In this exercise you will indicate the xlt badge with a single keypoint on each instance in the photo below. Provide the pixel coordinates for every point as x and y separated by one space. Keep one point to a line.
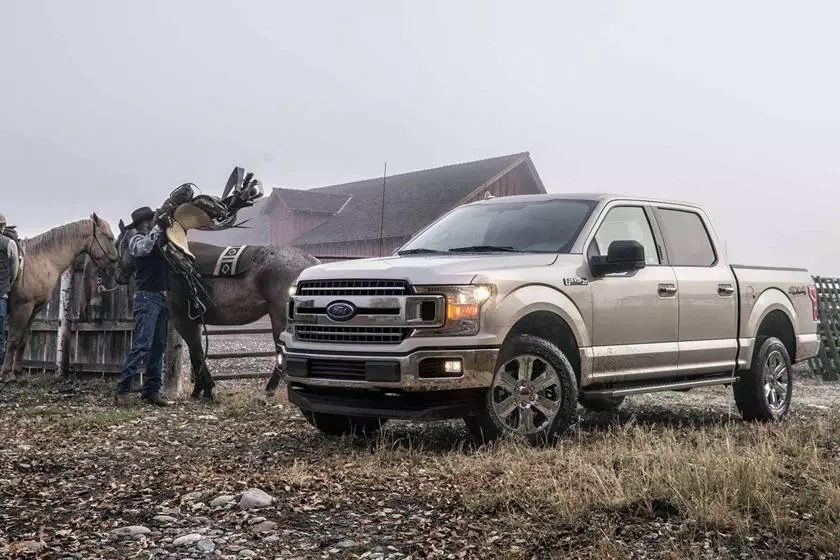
575 281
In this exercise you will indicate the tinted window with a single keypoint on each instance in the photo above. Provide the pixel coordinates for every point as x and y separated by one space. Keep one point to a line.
544 226
626 223
686 238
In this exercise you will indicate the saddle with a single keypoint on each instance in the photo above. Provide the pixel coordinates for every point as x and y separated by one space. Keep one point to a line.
195 262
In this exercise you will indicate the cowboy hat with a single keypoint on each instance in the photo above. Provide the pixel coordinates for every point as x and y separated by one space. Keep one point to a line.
141 215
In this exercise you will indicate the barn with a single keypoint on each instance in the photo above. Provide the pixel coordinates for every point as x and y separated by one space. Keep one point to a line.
345 221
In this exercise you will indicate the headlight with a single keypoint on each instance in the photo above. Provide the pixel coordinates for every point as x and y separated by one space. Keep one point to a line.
292 290
463 308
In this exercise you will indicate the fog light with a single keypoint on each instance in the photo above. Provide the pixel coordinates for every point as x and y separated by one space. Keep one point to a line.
279 360
452 366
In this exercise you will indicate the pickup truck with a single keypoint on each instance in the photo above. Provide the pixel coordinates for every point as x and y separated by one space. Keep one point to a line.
509 312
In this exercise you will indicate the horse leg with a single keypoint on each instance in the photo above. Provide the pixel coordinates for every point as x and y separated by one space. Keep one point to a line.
19 322
190 331
277 314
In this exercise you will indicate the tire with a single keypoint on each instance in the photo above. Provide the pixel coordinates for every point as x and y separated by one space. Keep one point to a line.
340 425
600 404
541 382
764 391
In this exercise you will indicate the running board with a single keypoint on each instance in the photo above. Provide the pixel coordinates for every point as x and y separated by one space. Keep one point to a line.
654 388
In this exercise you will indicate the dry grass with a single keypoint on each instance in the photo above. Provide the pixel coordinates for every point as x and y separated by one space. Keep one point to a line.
730 478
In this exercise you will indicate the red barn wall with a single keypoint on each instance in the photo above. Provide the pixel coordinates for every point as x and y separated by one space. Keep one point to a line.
287 224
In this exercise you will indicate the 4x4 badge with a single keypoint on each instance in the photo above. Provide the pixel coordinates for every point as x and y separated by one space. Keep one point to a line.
575 281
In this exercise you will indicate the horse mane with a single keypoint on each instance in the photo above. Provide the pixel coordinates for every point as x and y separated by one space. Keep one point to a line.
57 236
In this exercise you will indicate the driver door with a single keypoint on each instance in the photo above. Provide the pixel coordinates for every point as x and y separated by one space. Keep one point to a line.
635 315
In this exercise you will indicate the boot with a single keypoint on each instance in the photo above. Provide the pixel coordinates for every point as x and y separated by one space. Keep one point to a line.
155 399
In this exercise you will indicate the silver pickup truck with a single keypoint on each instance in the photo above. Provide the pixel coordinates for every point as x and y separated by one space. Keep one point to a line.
509 312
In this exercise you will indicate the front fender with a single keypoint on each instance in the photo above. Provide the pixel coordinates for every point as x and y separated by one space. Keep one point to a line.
540 297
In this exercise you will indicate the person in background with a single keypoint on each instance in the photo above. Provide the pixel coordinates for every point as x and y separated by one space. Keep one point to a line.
5 284
151 316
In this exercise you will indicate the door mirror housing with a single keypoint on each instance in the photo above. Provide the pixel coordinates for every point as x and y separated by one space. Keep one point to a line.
622 256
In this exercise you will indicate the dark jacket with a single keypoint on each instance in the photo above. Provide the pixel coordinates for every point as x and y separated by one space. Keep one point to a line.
152 269
5 265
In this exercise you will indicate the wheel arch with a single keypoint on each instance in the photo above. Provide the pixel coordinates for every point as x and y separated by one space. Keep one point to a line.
544 311
773 314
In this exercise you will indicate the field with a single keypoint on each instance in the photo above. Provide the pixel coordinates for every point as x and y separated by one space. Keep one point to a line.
670 476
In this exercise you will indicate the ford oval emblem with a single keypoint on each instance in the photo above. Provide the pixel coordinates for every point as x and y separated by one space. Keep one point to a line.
341 311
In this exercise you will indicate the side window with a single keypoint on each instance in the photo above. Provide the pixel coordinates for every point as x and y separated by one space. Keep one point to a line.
686 237
626 223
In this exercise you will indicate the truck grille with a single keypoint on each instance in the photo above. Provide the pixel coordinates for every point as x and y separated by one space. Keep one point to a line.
351 335
353 288
353 370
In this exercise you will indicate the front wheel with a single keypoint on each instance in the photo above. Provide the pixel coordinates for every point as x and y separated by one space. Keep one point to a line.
764 391
532 396
340 425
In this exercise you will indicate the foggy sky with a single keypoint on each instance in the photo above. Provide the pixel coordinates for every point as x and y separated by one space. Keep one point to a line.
109 105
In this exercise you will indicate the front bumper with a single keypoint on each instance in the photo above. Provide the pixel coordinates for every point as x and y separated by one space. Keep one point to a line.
384 371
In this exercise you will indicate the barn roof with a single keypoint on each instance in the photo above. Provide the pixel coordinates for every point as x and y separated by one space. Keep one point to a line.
307 200
412 200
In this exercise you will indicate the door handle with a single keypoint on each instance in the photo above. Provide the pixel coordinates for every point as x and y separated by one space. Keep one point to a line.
726 290
667 290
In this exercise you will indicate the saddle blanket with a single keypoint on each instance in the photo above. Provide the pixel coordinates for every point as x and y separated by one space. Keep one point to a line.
216 261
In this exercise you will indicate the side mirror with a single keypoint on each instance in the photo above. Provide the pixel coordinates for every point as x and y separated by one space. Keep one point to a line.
622 256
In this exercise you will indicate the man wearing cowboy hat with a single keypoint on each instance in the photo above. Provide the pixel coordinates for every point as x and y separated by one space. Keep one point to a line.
5 283
151 316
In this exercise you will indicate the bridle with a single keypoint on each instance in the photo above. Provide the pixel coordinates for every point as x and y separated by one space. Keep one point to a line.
99 267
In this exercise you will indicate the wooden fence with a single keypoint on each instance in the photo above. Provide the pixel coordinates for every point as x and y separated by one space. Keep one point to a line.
95 340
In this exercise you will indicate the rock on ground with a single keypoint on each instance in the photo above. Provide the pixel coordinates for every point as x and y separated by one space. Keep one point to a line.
131 531
187 540
255 498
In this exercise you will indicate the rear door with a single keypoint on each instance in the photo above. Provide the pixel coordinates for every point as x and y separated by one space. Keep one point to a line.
634 315
706 289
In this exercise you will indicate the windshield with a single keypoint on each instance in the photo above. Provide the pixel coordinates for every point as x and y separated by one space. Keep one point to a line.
539 226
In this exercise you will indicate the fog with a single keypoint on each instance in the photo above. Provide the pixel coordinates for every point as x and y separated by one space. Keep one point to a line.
109 105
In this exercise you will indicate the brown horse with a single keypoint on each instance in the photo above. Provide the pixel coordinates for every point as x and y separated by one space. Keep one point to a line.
261 289
47 256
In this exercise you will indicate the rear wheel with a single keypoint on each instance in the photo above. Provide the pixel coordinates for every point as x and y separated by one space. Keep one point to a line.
764 391
340 425
533 394
600 404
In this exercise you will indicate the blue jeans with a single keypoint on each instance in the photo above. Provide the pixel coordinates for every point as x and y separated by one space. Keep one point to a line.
148 341
4 306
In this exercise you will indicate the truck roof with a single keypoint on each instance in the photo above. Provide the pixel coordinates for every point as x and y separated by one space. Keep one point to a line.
597 197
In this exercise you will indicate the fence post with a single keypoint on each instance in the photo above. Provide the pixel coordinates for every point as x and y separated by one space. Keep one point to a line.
173 379
65 303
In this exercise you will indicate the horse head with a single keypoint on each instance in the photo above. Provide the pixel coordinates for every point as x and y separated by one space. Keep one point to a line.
102 249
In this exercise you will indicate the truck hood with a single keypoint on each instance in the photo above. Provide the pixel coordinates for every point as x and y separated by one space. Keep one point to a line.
427 269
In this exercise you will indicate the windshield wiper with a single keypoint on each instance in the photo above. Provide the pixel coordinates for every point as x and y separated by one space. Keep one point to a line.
483 249
420 251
